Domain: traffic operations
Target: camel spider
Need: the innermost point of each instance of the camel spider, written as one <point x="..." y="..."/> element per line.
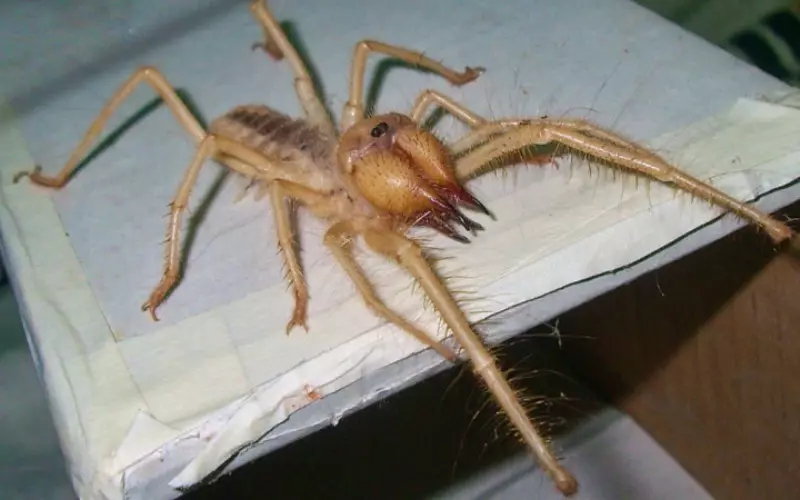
<point x="377" y="177"/>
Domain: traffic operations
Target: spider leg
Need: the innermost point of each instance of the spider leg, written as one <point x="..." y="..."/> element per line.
<point x="207" y="148"/>
<point x="287" y="245"/>
<point x="480" y="128"/>
<point x="487" y="130"/>
<point x="482" y="133"/>
<point x="428" y="98"/>
<point x="405" y="251"/>
<point x="162" y="87"/>
<point x="257" y="8"/>
<point x="278" y="46"/>
<point x="354" y="108"/>
<point x="608" y="147"/>
<point x="235" y="156"/>
<point x="339" y="240"/>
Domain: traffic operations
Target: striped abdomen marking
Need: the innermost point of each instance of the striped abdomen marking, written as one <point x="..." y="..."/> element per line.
<point x="276" y="134"/>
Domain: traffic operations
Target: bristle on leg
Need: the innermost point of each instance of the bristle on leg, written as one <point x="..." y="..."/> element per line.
<point x="410" y="256"/>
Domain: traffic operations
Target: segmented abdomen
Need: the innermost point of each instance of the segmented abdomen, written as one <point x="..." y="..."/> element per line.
<point x="277" y="135"/>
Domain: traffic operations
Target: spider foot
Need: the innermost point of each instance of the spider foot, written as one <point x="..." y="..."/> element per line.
<point x="155" y="300"/>
<point x="26" y="173"/>
<point x="37" y="178"/>
<point x="468" y="75"/>
<point x="269" y="47"/>
<point x="298" y="319"/>
<point x="299" y="314"/>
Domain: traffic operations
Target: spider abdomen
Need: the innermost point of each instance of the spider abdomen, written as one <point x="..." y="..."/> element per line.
<point x="283" y="139"/>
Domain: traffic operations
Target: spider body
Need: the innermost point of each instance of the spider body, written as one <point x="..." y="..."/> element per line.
<point x="375" y="178"/>
<point x="307" y="148"/>
<point x="308" y="152"/>
<point x="385" y="173"/>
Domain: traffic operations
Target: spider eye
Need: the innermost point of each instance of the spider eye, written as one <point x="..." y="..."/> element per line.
<point x="379" y="130"/>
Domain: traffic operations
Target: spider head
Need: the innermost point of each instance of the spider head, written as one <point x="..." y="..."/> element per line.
<point x="406" y="172"/>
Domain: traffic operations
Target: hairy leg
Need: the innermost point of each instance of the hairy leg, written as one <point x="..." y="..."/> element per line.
<point x="339" y="240"/>
<point x="237" y="157"/>
<point x="354" y="108"/>
<point x="162" y="87"/>
<point x="287" y="245"/>
<point x="490" y="129"/>
<point x="606" y="146"/>
<point x="482" y="133"/>
<point x="480" y="128"/>
<point x="278" y="46"/>
<point x="409" y="255"/>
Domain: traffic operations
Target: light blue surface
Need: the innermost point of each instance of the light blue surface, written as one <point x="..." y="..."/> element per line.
<point x="635" y="71"/>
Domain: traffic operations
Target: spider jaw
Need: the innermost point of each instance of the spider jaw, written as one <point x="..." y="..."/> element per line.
<point x="406" y="172"/>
